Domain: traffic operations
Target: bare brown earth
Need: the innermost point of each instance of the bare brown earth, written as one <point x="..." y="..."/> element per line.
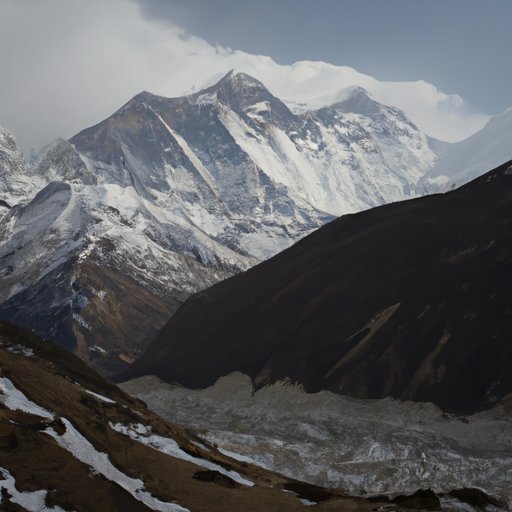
<point x="122" y="321"/>
<point x="104" y="308"/>
<point x="57" y="380"/>
<point x="411" y="300"/>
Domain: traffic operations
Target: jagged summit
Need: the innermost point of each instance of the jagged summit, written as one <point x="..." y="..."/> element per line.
<point x="16" y="187"/>
<point x="358" y="101"/>
<point x="233" y="85"/>
<point x="242" y="93"/>
<point x="239" y="79"/>
<point x="141" y="98"/>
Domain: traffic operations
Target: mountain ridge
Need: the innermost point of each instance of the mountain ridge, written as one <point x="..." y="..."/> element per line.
<point x="338" y="309"/>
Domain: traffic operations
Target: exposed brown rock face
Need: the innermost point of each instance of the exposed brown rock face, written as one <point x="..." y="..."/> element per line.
<point x="412" y="300"/>
<point x="99" y="313"/>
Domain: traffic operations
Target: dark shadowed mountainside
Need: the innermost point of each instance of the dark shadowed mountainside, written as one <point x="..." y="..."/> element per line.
<point x="411" y="299"/>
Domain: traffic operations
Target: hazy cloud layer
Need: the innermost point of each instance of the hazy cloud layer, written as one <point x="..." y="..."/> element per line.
<point x="67" y="64"/>
<point x="461" y="46"/>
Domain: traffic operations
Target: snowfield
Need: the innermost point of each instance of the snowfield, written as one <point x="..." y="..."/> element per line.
<point x="33" y="501"/>
<point x="14" y="399"/>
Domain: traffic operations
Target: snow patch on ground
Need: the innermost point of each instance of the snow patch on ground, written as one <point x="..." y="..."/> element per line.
<point x="171" y="447"/>
<point x="306" y="502"/>
<point x="84" y="451"/>
<point x="15" y="400"/>
<point x="33" y="501"/>
<point x="101" y="398"/>
<point x="21" y="349"/>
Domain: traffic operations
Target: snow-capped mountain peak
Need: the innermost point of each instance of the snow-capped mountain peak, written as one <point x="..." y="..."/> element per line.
<point x="239" y="80"/>
<point x="177" y="193"/>
<point x="359" y="101"/>
<point x="245" y="95"/>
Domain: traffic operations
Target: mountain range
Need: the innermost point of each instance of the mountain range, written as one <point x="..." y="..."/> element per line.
<point x="316" y="290"/>
<point x="168" y="196"/>
<point x="105" y="235"/>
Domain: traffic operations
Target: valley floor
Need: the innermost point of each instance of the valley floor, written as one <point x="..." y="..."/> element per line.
<point x="366" y="447"/>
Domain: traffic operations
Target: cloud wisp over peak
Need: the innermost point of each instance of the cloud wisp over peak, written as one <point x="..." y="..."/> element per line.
<point x="68" y="64"/>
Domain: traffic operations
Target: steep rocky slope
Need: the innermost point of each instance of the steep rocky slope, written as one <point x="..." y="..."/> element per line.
<point x="411" y="300"/>
<point x="168" y="196"/>
<point x="15" y="185"/>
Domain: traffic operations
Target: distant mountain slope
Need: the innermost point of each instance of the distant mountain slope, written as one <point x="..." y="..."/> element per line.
<point x="170" y="195"/>
<point x="411" y="299"/>
<point x="70" y="440"/>
<point x="75" y="269"/>
<point x="461" y="162"/>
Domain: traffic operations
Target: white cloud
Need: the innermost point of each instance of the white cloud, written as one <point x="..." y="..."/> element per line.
<point x="67" y="64"/>
<point x="440" y="115"/>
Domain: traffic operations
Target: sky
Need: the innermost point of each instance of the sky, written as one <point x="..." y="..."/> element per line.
<point x="68" y="64"/>
<point x="461" y="46"/>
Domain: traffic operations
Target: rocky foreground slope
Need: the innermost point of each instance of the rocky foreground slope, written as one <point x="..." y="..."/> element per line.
<point x="410" y="300"/>
<point x="70" y="440"/>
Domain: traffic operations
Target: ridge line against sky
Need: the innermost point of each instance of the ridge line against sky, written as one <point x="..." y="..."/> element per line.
<point x="68" y="64"/>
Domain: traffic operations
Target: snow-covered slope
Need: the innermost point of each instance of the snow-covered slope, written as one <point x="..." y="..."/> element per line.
<point x="168" y="196"/>
<point x="15" y="185"/>
<point x="93" y="277"/>
<point x="310" y="85"/>
<point x="464" y="161"/>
